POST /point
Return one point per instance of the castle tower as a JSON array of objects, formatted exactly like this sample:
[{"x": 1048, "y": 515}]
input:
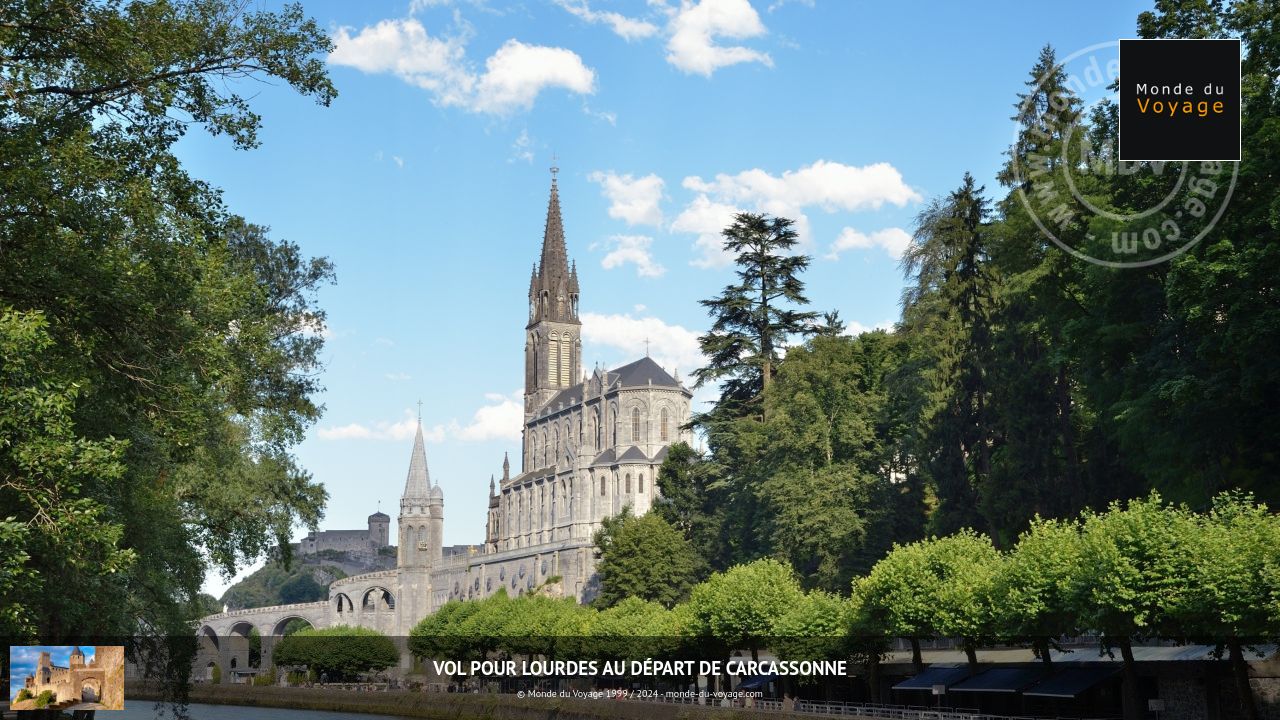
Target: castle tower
[
  {"x": 553, "y": 337},
  {"x": 380, "y": 529},
  {"x": 77, "y": 658},
  {"x": 421, "y": 513}
]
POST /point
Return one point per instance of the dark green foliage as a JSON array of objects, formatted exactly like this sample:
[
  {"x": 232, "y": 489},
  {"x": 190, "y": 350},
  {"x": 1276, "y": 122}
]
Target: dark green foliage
[
  {"x": 344, "y": 653},
  {"x": 645, "y": 558},
  {"x": 167, "y": 347},
  {"x": 303, "y": 580}
]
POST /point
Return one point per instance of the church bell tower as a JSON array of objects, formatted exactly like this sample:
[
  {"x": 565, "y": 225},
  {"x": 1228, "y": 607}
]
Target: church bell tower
[{"x": 553, "y": 337}]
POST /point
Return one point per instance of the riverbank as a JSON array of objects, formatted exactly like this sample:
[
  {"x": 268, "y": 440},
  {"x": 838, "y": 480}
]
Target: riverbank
[{"x": 446, "y": 706}]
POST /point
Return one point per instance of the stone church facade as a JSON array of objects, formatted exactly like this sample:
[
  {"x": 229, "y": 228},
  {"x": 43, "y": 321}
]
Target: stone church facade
[{"x": 592, "y": 445}]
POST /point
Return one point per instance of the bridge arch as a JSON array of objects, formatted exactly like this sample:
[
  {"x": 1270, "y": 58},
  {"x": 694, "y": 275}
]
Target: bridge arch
[
  {"x": 343, "y": 603},
  {"x": 378, "y": 599},
  {"x": 282, "y": 625}
]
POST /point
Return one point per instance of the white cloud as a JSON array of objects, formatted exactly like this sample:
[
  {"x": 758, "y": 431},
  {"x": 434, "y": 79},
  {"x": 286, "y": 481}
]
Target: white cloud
[
  {"x": 501, "y": 419},
  {"x": 893, "y": 240},
  {"x": 671, "y": 346},
  {"x": 694, "y": 28},
  {"x": 512, "y": 79},
  {"x": 310, "y": 327},
  {"x": 829, "y": 185},
  {"x": 398, "y": 160},
  {"x": 627, "y": 28},
  {"x": 522, "y": 148},
  {"x": 706, "y": 219},
  {"x": 853, "y": 327},
  {"x": 402, "y": 429},
  {"x": 516, "y": 73},
  {"x": 638, "y": 201},
  {"x": 633, "y": 249},
  {"x": 398, "y": 377}
]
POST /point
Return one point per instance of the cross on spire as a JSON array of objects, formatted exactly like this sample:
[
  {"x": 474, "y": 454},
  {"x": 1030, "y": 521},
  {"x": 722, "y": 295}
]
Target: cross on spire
[
  {"x": 646, "y": 347},
  {"x": 555, "y": 169},
  {"x": 419, "y": 410}
]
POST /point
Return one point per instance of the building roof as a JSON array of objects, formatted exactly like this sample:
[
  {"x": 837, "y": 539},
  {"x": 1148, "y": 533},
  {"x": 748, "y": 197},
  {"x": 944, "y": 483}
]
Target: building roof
[
  {"x": 418, "y": 483},
  {"x": 379, "y": 516},
  {"x": 639, "y": 373},
  {"x": 643, "y": 372},
  {"x": 634, "y": 454}
]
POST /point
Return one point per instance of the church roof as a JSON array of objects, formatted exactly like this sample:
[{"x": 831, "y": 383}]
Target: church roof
[
  {"x": 418, "y": 483},
  {"x": 605, "y": 458},
  {"x": 642, "y": 372},
  {"x": 634, "y": 454}
]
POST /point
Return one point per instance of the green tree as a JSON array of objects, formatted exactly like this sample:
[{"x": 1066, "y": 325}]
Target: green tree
[
  {"x": 753, "y": 318},
  {"x": 741, "y": 607},
  {"x": 826, "y": 411},
  {"x": 341, "y": 651},
  {"x": 1032, "y": 591},
  {"x": 688, "y": 502},
  {"x": 628, "y": 548},
  {"x": 1232, "y": 572},
  {"x": 186, "y": 337},
  {"x": 949, "y": 301},
  {"x": 1128, "y": 575}
]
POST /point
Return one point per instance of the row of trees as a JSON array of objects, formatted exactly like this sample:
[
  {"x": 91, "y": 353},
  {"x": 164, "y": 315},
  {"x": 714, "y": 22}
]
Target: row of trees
[
  {"x": 1142, "y": 570},
  {"x": 1019, "y": 381}
]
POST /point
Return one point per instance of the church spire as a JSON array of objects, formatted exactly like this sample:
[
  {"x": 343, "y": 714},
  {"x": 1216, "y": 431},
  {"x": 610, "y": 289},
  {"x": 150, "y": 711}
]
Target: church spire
[{"x": 418, "y": 483}]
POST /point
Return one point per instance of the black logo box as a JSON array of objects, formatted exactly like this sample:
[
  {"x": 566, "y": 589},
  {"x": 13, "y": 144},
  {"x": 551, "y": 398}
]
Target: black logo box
[{"x": 1160, "y": 77}]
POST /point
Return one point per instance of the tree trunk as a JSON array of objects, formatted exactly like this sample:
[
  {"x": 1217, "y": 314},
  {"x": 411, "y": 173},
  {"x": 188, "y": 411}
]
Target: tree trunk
[
  {"x": 1240, "y": 671},
  {"x": 1042, "y": 647},
  {"x": 873, "y": 679},
  {"x": 916, "y": 658},
  {"x": 1132, "y": 702},
  {"x": 971, "y": 654}
]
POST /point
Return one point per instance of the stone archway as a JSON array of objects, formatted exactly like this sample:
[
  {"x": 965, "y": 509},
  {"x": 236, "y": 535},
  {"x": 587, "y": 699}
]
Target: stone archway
[{"x": 90, "y": 690}]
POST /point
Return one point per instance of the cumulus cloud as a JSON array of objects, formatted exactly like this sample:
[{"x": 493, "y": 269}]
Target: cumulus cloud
[
  {"x": 402, "y": 429},
  {"x": 501, "y": 419},
  {"x": 694, "y": 27},
  {"x": 671, "y": 346},
  {"x": 638, "y": 201},
  {"x": 706, "y": 219},
  {"x": 512, "y": 79},
  {"x": 634, "y": 249},
  {"x": 893, "y": 240},
  {"x": 829, "y": 185},
  {"x": 627, "y": 28}
]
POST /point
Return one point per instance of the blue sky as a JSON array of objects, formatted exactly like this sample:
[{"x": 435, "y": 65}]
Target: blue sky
[
  {"x": 23, "y": 660},
  {"x": 426, "y": 183}
]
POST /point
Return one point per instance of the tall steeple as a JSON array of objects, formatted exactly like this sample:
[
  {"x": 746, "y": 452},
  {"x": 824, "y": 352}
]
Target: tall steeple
[
  {"x": 418, "y": 483},
  {"x": 553, "y": 343}
]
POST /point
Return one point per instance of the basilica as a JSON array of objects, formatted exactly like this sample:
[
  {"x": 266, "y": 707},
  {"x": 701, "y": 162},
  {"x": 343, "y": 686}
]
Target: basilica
[{"x": 592, "y": 445}]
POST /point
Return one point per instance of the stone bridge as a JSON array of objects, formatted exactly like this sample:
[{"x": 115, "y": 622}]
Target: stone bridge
[{"x": 225, "y": 643}]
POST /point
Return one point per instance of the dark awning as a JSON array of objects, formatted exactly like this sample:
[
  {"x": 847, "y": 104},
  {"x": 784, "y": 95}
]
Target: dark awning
[
  {"x": 756, "y": 682},
  {"x": 1072, "y": 681},
  {"x": 934, "y": 675},
  {"x": 1001, "y": 680}
]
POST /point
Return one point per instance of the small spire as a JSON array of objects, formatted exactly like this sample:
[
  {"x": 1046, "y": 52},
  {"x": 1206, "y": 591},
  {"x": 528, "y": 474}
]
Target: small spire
[
  {"x": 490, "y": 485},
  {"x": 506, "y": 467},
  {"x": 646, "y": 347}
]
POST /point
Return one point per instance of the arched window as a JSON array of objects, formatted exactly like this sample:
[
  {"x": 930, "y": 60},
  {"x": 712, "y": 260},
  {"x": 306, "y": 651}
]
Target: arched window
[
  {"x": 627, "y": 487},
  {"x": 566, "y": 358},
  {"x": 635, "y": 424},
  {"x": 664, "y": 425},
  {"x": 553, "y": 358},
  {"x": 546, "y": 449},
  {"x": 641, "y": 488},
  {"x": 555, "y": 457},
  {"x": 603, "y": 490}
]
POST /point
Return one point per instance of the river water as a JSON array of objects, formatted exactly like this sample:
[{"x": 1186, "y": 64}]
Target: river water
[{"x": 146, "y": 710}]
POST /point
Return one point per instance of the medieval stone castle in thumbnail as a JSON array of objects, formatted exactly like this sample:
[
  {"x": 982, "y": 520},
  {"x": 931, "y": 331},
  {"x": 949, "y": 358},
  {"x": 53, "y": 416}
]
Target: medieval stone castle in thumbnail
[
  {"x": 99, "y": 681},
  {"x": 592, "y": 444}
]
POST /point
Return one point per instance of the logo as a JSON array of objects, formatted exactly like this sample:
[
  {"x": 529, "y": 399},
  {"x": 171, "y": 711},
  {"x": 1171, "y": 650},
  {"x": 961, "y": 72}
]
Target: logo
[{"x": 1082, "y": 196}]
